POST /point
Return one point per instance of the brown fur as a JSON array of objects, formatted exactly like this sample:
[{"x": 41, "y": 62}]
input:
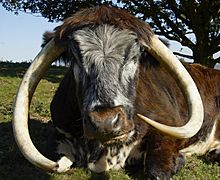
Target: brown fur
[
  {"x": 158, "y": 95},
  {"x": 165, "y": 102},
  {"x": 104, "y": 15},
  {"x": 160, "y": 98},
  {"x": 208, "y": 83}
]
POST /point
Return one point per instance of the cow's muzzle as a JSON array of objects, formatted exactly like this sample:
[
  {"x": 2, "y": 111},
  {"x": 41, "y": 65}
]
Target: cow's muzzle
[{"x": 107, "y": 123}]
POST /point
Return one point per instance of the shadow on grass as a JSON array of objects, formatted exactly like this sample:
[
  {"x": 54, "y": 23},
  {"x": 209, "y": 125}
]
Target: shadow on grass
[
  {"x": 12, "y": 163},
  {"x": 210, "y": 158},
  {"x": 7, "y": 69}
]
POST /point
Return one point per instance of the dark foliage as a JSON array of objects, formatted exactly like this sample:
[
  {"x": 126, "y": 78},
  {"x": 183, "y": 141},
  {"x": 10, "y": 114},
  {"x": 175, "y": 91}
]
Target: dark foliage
[{"x": 194, "y": 23}]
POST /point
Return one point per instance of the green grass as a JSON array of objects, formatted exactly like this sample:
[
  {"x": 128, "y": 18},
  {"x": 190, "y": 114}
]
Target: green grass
[{"x": 13, "y": 166}]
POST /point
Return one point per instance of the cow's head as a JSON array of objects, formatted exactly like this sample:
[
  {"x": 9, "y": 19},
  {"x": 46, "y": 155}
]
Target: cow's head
[
  {"x": 104, "y": 45},
  {"x": 105, "y": 62}
]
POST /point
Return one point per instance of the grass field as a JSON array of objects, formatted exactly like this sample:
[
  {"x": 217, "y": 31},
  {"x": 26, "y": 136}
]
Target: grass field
[{"x": 13, "y": 166}]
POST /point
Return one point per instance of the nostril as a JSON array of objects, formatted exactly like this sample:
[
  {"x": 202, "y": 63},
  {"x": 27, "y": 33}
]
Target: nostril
[{"x": 116, "y": 121}]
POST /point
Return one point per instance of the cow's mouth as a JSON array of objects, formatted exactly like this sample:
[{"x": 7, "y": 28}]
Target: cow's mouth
[
  {"x": 125, "y": 137},
  {"x": 120, "y": 137},
  {"x": 107, "y": 138}
]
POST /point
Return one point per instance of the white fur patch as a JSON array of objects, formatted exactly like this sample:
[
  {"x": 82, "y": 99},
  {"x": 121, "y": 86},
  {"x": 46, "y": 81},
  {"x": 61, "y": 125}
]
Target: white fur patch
[
  {"x": 121, "y": 99},
  {"x": 202, "y": 147},
  {"x": 129, "y": 71},
  {"x": 109, "y": 162},
  {"x": 64, "y": 164}
]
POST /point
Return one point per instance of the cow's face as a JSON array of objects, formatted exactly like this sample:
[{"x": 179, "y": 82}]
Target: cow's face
[{"x": 105, "y": 66}]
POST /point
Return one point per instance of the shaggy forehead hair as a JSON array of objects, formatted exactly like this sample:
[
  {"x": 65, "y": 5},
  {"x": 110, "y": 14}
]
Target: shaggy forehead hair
[
  {"x": 103, "y": 43},
  {"x": 109, "y": 59}
]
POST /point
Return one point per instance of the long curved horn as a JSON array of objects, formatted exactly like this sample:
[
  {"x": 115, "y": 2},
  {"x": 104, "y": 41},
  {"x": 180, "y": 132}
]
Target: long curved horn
[
  {"x": 188, "y": 87},
  {"x": 21, "y": 107}
]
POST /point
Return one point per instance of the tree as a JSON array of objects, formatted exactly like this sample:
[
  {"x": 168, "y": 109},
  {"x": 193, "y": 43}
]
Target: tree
[{"x": 175, "y": 19}]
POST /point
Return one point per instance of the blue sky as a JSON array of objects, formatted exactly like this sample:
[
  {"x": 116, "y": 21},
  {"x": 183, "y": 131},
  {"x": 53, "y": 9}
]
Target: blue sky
[{"x": 21, "y": 36}]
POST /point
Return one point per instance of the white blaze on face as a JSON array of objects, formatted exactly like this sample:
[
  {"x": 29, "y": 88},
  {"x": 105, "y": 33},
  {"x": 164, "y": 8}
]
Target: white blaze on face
[
  {"x": 129, "y": 71},
  {"x": 107, "y": 66},
  {"x": 121, "y": 99}
]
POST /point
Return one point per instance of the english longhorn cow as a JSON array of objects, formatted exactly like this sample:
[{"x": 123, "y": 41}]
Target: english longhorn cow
[{"x": 125, "y": 100}]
